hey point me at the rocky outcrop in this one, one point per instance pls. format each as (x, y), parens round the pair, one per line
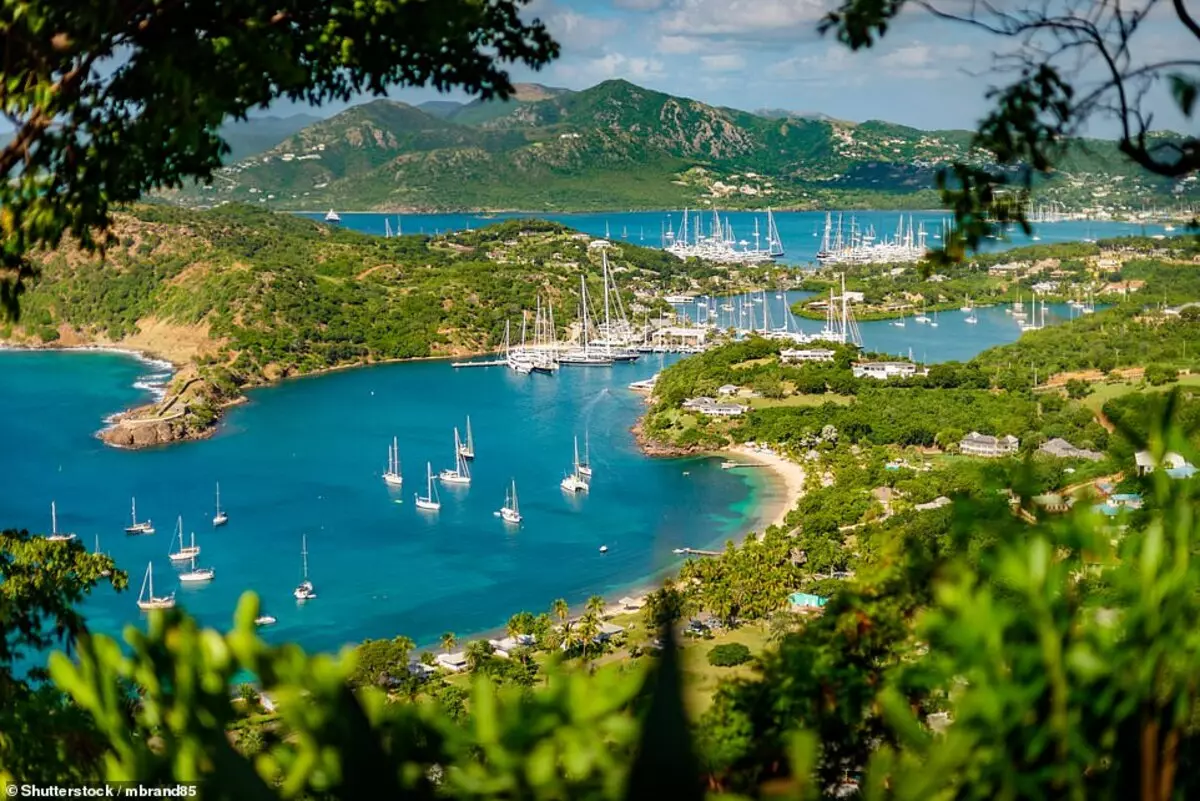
(188, 410)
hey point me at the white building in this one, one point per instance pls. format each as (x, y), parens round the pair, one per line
(724, 410)
(976, 444)
(885, 370)
(806, 355)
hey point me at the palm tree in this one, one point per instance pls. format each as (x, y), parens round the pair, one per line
(588, 630)
(595, 605)
(477, 652)
(448, 641)
(560, 610)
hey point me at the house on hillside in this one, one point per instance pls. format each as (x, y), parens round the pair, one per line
(806, 602)
(806, 355)
(883, 371)
(1060, 448)
(976, 444)
(1174, 464)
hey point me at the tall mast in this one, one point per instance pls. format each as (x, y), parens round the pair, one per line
(607, 320)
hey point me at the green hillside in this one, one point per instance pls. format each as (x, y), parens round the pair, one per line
(617, 145)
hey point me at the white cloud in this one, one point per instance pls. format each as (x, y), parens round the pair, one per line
(679, 44)
(724, 62)
(919, 60)
(579, 33)
(759, 20)
(832, 60)
(639, 5)
(587, 72)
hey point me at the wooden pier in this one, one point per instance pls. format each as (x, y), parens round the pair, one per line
(731, 465)
(493, 363)
(695, 552)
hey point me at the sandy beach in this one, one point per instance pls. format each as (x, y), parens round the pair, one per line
(790, 474)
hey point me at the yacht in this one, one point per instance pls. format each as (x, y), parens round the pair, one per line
(430, 502)
(467, 449)
(304, 590)
(265, 620)
(392, 476)
(54, 535)
(574, 482)
(220, 518)
(143, 527)
(185, 552)
(585, 466)
(333, 217)
(196, 575)
(461, 474)
(147, 600)
(510, 512)
(105, 572)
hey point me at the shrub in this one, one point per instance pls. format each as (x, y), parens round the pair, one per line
(728, 655)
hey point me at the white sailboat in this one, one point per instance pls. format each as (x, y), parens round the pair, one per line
(922, 317)
(185, 552)
(574, 482)
(431, 502)
(143, 527)
(147, 600)
(304, 590)
(196, 575)
(584, 355)
(220, 518)
(392, 476)
(106, 572)
(585, 466)
(461, 474)
(467, 449)
(510, 512)
(934, 322)
(54, 535)
(265, 620)
(967, 307)
(899, 323)
(971, 319)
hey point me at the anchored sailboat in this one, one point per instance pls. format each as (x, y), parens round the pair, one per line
(430, 502)
(220, 518)
(144, 527)
(147, 600)
(392, 476)
(196, 575)
(105, 572)
(510, 512)
(304, 590)
(467, 449)
(585, 466)
(185, 552)
(575, 482)
(54, 535)
(461, 474)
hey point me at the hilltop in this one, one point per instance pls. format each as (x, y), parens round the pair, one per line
(239, 296)
(618, 145)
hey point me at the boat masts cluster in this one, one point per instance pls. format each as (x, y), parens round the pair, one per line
(718, 243)
(854, 245)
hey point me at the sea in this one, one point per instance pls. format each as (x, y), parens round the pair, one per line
(800, 231)
(305, 457)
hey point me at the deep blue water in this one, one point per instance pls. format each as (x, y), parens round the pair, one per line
(800, 231)
(305, 457)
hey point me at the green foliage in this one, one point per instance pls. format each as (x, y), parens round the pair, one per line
(728, 654)
(91, 133)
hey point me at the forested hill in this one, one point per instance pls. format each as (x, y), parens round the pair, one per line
(617, 145)
(238, 296)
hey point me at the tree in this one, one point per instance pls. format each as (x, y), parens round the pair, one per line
(1077, 389)
(595, 605)
(1049, 98)
(478, 651)
(560, 610)
(380, 662)
(448, 642)
(112, 101)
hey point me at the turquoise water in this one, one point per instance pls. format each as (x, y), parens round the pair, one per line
(799, 230)
(305, 457)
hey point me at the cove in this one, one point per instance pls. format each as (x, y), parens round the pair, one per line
(305, 457)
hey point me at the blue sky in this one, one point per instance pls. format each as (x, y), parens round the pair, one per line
(753, 54)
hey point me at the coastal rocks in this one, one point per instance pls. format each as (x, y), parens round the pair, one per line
(652, 447)
(187, 411)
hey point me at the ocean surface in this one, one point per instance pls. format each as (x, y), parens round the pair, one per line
(800, 231)
(306, 457)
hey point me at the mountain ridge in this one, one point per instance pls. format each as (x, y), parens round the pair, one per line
(620, 145)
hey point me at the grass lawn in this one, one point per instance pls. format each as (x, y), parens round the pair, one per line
(753, 362)
(701, 679)
(1103, 393)
(801, 400)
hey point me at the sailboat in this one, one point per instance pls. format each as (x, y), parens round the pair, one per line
(106, 572)
(54, 536)
(146, 597)
(899, 323)
(510, 512)
(304, 590)
(144, 527)
(574, 482)
(220, 518)
(971, 318)
(922, 317)
(185, 552)
(934, 322)
(265, 620)
(967, 307)
(195, 575)
(461, 474)
(585, 467)
(467, 449)
(430, 502)
(584, 354)
(392, 476)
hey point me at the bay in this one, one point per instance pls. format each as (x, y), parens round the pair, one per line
(306, 457)
(800, 231)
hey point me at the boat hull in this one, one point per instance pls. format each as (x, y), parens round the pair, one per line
(393, 480)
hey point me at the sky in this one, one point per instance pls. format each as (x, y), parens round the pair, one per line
(752, 54)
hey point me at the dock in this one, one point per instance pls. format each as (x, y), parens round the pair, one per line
(492, 363)
(695, 552)
(731, 465)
